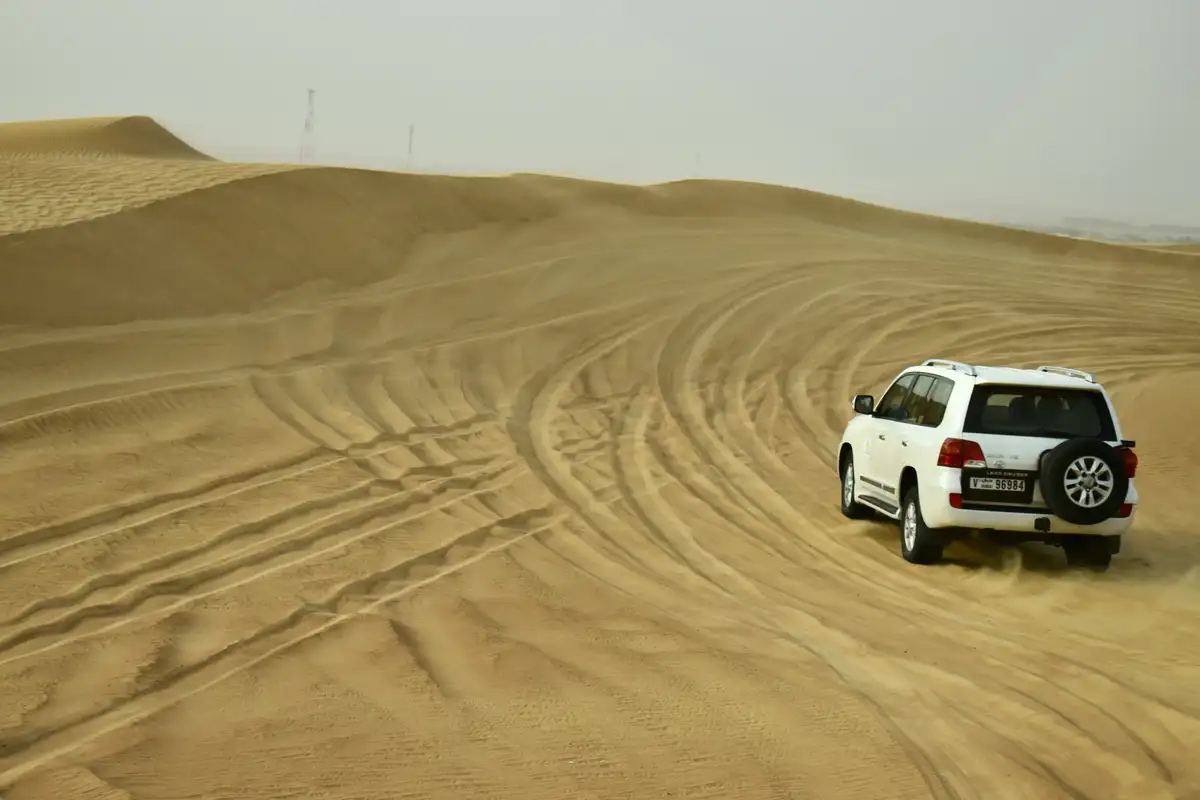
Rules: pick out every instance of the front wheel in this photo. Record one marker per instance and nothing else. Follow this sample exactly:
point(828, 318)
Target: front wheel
point(850, 507)
point(918, 544)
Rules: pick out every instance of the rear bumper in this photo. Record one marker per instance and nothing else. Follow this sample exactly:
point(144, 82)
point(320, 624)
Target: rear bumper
point(938, 513)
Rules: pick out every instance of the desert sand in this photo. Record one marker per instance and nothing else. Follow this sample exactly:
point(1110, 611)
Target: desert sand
point(329, 483)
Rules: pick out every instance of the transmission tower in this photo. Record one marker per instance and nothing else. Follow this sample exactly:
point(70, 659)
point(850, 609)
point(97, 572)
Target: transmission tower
point(310, 123)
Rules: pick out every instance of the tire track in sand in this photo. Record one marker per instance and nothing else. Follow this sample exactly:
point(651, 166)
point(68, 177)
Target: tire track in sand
point(40, 748)
point(472, 484)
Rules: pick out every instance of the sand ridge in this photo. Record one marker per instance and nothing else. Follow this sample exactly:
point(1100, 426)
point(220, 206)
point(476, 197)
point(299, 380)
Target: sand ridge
point(345, 483)
point(57, 172)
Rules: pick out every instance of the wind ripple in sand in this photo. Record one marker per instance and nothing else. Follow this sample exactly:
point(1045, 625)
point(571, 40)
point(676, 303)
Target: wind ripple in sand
point(545, 507)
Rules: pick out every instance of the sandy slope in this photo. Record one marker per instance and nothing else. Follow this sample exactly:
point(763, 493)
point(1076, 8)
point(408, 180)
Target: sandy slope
point(1177, 248)
point(324, 483)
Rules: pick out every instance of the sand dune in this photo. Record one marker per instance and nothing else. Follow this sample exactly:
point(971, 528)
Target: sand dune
point(1193, 249)
point(63, 171)
point(334, 483)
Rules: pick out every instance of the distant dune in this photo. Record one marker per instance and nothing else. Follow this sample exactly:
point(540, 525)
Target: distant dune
point(1179, 248)
point(139, 137)
point(237, 243)
point(64, 171)
point(352, 483)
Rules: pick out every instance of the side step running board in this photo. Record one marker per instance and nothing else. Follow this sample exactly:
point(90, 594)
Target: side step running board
point(881, 505)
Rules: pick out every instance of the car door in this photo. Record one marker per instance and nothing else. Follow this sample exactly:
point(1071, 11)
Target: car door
point(918, 435)
point(896, 431)
point(878, 439)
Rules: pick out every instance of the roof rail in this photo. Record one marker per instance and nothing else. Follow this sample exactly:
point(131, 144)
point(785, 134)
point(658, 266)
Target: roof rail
point(1074, 373)
point(955, 365)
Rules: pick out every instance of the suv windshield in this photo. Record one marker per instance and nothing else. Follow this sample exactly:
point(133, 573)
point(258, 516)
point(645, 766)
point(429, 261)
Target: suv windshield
point(1038, 411)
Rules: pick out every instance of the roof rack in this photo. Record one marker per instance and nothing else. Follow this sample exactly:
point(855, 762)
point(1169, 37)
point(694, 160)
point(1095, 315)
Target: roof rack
point(955, 365)
point(1074, 373)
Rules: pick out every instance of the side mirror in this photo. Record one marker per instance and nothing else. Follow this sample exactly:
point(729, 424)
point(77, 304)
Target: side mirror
point(864, 404)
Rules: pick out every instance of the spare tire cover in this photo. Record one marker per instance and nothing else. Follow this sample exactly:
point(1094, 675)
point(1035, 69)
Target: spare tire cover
point(1083, 480)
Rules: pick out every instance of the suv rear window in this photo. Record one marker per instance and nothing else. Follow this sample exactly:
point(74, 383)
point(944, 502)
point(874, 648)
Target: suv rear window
point(1038, 411)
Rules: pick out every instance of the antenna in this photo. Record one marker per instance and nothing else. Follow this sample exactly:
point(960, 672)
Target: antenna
point(310, 123)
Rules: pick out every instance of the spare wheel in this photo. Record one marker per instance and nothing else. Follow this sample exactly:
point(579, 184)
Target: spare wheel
point(1083, 480)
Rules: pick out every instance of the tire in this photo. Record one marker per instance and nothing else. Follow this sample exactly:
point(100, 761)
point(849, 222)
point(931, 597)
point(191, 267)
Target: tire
point(850, 507)
point(1090, 552)
point(1064, 479)
point(918, 544)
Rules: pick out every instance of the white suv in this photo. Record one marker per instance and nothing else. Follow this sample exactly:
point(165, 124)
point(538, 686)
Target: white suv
point(1023, 454)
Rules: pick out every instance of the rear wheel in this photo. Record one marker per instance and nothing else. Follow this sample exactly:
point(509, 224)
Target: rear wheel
point(1089, 552)
point(918, 544)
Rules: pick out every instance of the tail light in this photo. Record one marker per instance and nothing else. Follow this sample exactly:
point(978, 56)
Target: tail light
point(960, 453)
point(1131, 460)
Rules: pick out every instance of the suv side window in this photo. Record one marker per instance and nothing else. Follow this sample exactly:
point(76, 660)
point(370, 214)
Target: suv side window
point(892, 404)
point(939, 397)
point(918, 400)
point(926, 404)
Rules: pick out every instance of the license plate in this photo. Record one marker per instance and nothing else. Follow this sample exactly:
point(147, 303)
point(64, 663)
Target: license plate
point(998, 484)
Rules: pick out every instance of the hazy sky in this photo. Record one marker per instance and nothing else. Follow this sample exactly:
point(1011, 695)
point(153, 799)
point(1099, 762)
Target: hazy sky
point(1019, 108)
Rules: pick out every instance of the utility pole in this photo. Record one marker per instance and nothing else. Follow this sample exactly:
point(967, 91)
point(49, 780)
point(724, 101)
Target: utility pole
point(411, 131)
point(310, 123)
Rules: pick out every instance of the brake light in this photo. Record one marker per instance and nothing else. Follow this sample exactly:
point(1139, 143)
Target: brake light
point(1131, 460)
point(960, 453)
